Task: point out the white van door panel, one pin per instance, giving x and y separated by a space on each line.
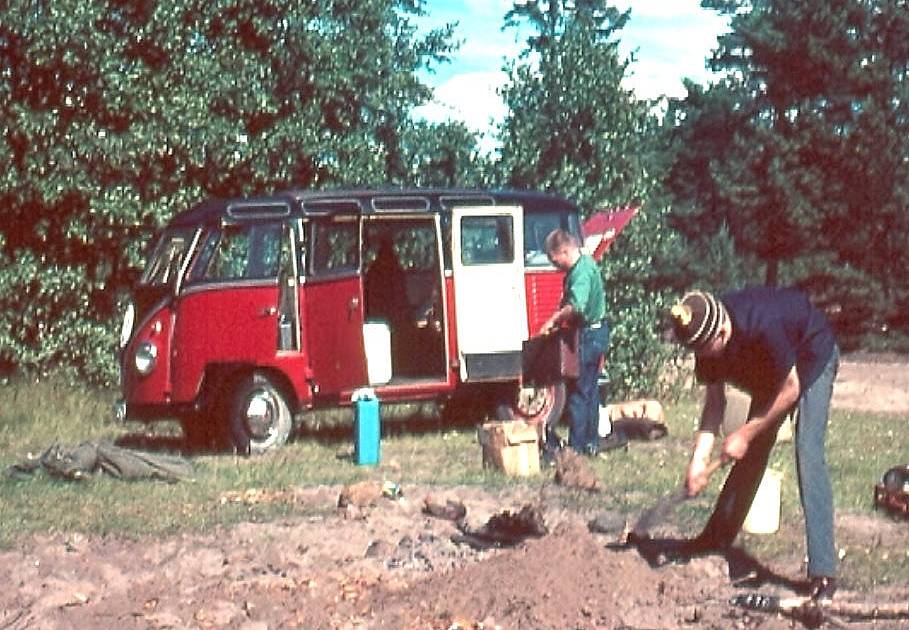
488 268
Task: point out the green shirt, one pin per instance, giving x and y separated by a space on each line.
583 289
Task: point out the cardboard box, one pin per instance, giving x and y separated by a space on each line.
512 447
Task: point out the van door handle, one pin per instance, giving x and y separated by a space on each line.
270 311
354 303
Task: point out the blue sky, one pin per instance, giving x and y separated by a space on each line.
670 40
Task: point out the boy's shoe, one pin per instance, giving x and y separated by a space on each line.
616 439
548 456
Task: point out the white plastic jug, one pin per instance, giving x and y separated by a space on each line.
377 341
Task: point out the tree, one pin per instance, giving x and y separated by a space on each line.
798 149
700 132
571 125
573 128
444 154
867 217
118 113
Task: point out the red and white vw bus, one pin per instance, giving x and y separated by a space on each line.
252 311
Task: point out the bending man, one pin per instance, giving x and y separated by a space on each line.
773 344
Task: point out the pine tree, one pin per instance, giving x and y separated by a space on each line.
801 149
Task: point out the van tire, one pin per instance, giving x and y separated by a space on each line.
259 417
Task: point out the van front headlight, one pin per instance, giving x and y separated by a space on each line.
146 357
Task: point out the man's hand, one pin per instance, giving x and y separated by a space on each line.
564 314
696 479
697 476
699 473
736 443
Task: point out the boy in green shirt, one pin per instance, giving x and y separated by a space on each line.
583 306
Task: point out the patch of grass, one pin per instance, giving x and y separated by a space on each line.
35 415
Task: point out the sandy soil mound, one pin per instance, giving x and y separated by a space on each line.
881 386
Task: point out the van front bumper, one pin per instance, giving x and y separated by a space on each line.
137 412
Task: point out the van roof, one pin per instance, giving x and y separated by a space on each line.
363 201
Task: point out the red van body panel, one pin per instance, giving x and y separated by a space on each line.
543 289
226 325
153 389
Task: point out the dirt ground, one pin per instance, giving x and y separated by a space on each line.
391 565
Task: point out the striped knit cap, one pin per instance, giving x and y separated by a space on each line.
697 318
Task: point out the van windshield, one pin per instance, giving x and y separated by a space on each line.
168 258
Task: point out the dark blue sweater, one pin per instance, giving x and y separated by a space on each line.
772 330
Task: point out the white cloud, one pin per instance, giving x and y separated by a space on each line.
659 8
669 41
490 7
469 98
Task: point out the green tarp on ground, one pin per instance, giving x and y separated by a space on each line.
87 458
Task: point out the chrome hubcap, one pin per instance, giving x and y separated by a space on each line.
261 415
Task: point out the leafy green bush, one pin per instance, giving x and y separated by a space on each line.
48 321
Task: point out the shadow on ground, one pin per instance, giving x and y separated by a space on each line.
744 569
334 427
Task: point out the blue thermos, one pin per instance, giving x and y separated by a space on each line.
367 427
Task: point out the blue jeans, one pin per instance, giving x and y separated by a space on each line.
583 399
814 482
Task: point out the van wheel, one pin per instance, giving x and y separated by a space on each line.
540 405
259 417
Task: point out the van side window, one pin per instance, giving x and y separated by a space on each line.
487 240
244 252
335 247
